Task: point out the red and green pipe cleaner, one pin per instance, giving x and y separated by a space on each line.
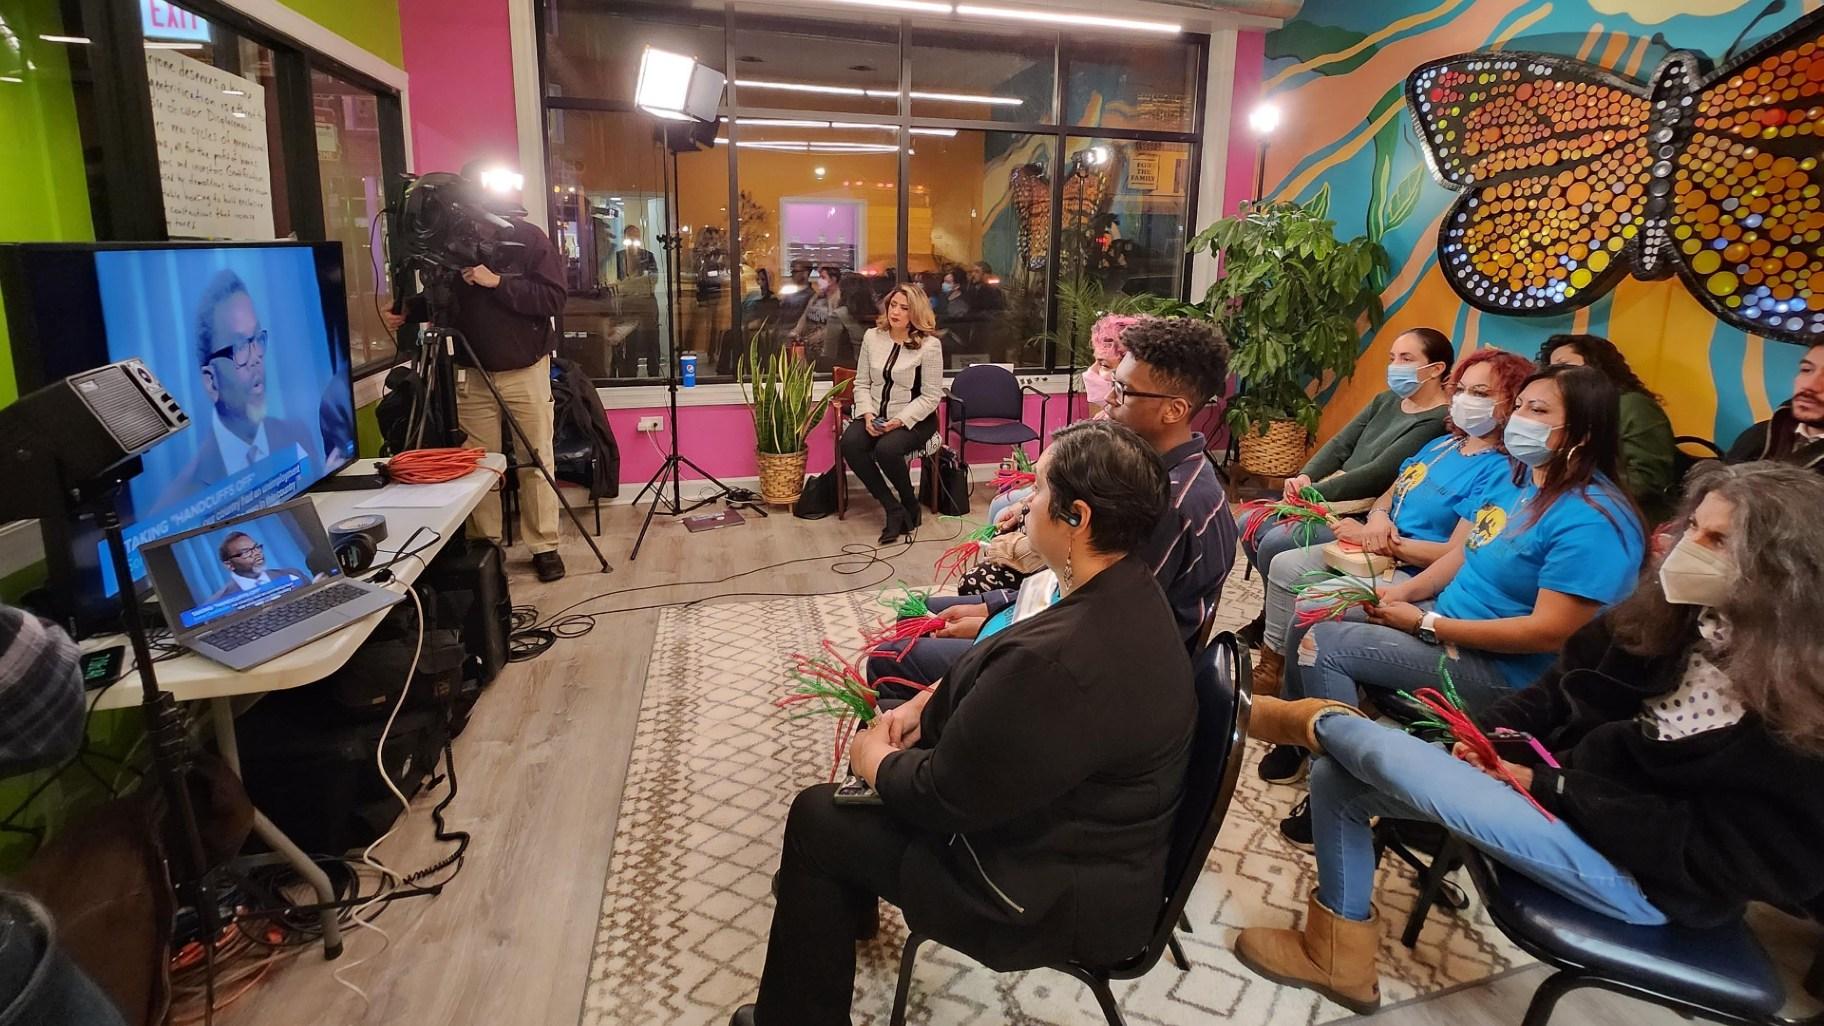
1324 596
1306 512
830 685
911 605
1019 475
959 558
1452 718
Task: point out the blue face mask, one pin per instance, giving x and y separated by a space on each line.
949 287
1529 441
1403 378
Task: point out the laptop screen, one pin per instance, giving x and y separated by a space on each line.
211 574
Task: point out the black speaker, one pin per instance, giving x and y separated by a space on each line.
470 585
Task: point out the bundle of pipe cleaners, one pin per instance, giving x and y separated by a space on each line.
1019 474
1326 595
1452 720
1306 512
831 685
959 558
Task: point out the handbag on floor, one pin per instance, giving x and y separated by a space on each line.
818 500
952 483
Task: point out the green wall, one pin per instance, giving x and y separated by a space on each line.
373 25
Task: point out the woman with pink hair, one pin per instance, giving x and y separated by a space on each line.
1099 376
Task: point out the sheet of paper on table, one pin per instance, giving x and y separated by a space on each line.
416 496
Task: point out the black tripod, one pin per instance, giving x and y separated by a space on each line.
437 346
673 467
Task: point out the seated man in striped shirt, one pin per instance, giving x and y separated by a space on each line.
1174 365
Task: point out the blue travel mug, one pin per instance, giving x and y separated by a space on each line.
688 377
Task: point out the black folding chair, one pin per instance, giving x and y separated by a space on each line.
1217 748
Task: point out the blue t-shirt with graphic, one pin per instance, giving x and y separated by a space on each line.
1589 544
1433 484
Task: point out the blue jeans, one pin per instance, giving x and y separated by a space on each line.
1371 770
1010 498
1375 658
1276 538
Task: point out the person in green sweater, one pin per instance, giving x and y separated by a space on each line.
1647 449
1362 460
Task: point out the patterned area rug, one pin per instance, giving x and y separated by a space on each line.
686 909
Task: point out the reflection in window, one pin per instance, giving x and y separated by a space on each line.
1123 221
354 196
596 53
1130 83
979 220
816 64
976 77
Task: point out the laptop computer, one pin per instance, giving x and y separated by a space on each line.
250 589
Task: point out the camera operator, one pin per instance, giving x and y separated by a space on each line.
505 313
41 720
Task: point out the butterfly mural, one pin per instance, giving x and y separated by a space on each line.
1086 193
1572 178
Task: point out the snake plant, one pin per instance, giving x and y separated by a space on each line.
779 390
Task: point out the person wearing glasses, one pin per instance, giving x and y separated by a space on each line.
230 346
245 560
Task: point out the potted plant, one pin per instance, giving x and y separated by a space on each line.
1289 300
779 390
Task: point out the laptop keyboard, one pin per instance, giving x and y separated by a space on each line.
280 617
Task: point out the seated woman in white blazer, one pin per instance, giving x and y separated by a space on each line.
899 380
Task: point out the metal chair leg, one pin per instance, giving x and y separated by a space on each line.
1431 885
906 960
1545 999
1098 985
1177 950
1184 923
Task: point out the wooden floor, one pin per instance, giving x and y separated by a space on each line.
542 765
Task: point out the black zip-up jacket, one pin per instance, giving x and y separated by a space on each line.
1705 823
509 325
1777 439
1048 771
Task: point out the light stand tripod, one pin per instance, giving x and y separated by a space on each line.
439 345
672 468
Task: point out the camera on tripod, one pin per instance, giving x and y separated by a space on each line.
446 223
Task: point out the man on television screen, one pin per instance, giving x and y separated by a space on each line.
505 313
247 570
230 346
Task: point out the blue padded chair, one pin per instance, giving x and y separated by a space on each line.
1721 973
1218 745
986 404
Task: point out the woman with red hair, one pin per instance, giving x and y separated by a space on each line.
1415 521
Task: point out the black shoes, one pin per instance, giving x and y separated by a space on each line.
744 1016
913 516
897 525
1285 764
1254 634
550 566
1296 828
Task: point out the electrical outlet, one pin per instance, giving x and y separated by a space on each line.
649 424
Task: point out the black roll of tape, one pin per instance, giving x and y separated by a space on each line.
371 526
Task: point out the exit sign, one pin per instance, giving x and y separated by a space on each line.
162 20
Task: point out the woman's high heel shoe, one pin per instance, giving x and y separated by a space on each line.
913 516
896 525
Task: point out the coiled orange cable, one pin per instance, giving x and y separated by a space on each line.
434 466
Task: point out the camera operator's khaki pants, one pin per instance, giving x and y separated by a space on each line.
527 392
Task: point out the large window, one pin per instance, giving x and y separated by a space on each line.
989 166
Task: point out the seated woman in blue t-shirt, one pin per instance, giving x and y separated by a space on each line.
1544 555
1415 521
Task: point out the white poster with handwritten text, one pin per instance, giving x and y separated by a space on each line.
212 158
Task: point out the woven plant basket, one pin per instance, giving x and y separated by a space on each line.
781 476
1278 453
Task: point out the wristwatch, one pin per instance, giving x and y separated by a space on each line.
1427 631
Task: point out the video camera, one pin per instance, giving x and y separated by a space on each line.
447 222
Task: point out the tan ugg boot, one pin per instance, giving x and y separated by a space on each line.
1280 722
1334 956
1267 673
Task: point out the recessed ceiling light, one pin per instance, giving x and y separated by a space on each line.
1053 17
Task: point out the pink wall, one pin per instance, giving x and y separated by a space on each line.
1250 59
460 60
721 440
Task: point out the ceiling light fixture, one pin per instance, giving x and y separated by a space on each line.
1054 17
155 45
877 94
915 6
73 40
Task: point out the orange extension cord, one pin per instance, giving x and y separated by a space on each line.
433 466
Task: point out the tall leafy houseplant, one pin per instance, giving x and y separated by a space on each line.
779 390
1289 301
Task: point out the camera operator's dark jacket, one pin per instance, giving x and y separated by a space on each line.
509 325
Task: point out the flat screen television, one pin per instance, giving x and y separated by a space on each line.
251 339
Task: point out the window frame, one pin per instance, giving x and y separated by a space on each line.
1053 126
127 198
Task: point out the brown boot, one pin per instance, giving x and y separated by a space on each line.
1334 956
1280 722
1267 673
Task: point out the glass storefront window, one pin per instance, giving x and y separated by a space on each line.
978 241
1124 218
819 234
816 65
1131 84
974 77
592 52
353 180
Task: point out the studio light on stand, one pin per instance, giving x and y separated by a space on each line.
684 95
1263 120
